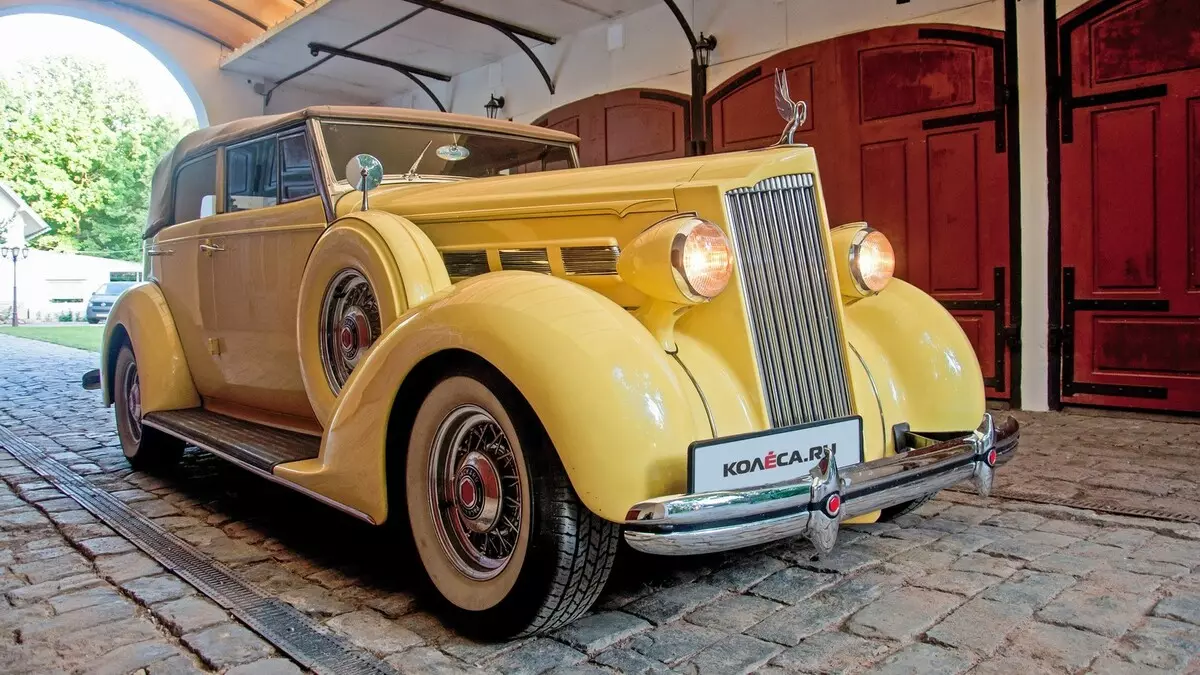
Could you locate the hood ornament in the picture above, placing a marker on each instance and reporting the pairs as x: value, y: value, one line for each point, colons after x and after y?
x: 794, y: 113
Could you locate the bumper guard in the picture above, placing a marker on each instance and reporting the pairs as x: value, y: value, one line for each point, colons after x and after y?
x: 814, y: 506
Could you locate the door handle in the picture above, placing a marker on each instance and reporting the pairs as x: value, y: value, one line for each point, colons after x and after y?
x: 159, y: 251
x: 209, y: 247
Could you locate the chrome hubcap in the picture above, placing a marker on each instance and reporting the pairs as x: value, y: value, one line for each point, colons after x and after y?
x: 475, y: 490
x: 350, y: 324
x: 133, y: 403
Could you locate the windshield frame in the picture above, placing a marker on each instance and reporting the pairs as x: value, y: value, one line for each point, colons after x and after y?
x: 338, y: 184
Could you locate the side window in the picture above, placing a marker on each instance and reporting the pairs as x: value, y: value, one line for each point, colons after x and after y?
x: 296, y: 179
x: 251, y: 176
x: 195, y: 184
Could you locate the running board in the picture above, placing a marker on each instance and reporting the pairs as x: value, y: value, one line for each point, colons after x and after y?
x: 254, y: 445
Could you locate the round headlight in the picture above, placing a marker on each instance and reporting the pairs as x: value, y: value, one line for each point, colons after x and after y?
x: 872, y: 260
x: 702, y: 259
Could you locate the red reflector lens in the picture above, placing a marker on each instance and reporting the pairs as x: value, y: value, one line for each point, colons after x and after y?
x: 991, y: 457
x: 833, y: 504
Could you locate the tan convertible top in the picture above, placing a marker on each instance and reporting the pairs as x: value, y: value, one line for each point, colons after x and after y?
x: 202, y: 140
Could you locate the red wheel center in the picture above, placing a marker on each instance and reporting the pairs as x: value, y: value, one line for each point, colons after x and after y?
x: 466, y: 492
x: 346, y: 337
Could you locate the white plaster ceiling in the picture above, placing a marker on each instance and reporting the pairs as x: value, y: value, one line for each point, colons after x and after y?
x: 427, y: 39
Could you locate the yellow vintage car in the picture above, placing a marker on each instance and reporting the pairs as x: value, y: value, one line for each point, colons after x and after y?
x: 521, y: 361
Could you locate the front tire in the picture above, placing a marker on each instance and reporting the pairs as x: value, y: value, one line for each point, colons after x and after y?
x: 502, y: 535
x: 143, y: 446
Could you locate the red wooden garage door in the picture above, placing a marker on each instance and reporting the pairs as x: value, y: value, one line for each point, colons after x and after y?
x: 908, y: 126
x: 1131, y: 204
x: 629, y: 125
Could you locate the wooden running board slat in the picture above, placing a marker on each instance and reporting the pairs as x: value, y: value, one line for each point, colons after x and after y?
x: 259, y: 446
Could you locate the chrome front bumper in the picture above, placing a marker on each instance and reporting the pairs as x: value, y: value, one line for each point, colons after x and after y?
x: 815, y: 505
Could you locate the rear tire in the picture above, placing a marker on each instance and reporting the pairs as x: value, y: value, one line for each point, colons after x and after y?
x: 893, y: 512
x: 480, y: 463
x: 143, y: 446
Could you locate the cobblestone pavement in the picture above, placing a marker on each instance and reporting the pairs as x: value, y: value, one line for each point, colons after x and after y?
x: 963, y: 585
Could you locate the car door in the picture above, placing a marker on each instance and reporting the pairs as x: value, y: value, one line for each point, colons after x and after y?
x: 175, y: 260
x: 252, y: 260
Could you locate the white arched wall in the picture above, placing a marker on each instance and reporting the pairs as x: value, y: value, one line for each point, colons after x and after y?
x: 194, y: 60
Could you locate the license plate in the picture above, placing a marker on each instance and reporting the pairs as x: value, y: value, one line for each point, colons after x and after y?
x: 775, y: 456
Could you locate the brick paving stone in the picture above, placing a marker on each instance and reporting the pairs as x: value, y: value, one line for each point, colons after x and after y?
x: 425, y: 661
x: 1121, y: 537
x: 970, y: 515
x: 791, y: 625
x: 793, y: 584
x: 734, y: 613
x: 1100, y: 606
x: 76, y: 620
x: 105, y: 545
x: 924, y: 659
x: 1065, y: 563
x: 1169, y: 550
x: 956, y: 581
x: 595, y: 632
x: 227, y: 645
x: 49, y: 569
x: 986, y: 564
x: 372, y: 631
x: 735, y: 655
x: 1184, y: 606
x: 190, y: 614
x: 536, y: 656
x: 26, y: 594
x: 628, y: 661
x: 1034, y: 589
x: 844, y: 559
x: 315, y: 600
x: 1008, y: 665
x: 979, y: 625
x: 393, y: 605
x: 960, y: 542
x: 129, y: 658
x: 674, y: 642
x: 1017, y: 520
x: 746, y: 572
x: 1056, y: 647
x: 902, y: 613
x: 671, y: 603
x: 151, y: 590
x: 1029, y: 545
x: 266, y: 667
x: 97, y: 595
x: 1163, y: 643
x: 831, y: 652
x: 127, y: 566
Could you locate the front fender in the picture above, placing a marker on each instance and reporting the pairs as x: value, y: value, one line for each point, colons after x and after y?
x: 142, y: 316
x: 920, y: 365
x: 619, y: 410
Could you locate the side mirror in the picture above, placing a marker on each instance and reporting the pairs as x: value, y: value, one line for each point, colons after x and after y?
x: 364, y: 172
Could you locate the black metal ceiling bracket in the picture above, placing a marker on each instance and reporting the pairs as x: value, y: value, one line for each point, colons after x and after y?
x: 701, y: 46
x: 510, y: 31
x: 411, y: 72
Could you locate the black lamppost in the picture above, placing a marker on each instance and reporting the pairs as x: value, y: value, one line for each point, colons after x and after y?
x: 14, y: 252
x: 494, y: 106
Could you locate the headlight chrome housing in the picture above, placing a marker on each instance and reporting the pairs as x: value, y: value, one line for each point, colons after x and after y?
x: 683, y: 260
x: 872, y: 260
x: 865, y: 259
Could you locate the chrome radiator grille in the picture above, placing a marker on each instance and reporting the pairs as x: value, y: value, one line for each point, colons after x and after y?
x: 782, y: 265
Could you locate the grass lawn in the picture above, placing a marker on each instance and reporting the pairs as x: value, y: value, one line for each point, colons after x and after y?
x: 80, y: 337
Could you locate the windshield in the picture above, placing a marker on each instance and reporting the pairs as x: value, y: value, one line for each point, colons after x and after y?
x: 113, y: 288
x: 456, y: 154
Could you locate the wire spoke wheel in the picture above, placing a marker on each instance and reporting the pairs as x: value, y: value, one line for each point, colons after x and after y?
x: 350, y: 324
x: 475, y: 490
x: 133, y: 402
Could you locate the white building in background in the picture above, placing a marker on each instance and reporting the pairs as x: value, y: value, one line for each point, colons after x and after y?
x: 50, y: 285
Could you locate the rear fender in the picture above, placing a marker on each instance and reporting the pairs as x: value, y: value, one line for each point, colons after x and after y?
x: 620, y: 411
x: 141, y: 316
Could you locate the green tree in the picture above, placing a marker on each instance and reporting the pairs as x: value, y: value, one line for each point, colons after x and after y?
x: 80, y: 146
